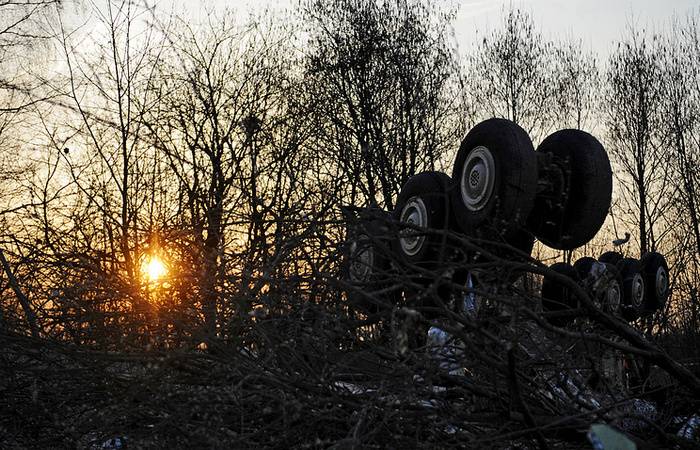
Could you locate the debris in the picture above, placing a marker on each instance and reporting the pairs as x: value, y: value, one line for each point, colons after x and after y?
x: 690, y: 428
x: 115, y: 443
x: 604, y: 437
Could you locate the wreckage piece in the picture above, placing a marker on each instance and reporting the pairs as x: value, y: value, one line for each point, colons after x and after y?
x: 557, y: 296
x: 633, y: 288
x: 584, y: 267
x: 610, y: 257
x: 575, y: 190
x: 423, y: 213
x: 657, y: 281
x: 611, y: 281
x: 646, y: 282
x: 367, y: 264
x: 495, y: 172
x: 603, y: 281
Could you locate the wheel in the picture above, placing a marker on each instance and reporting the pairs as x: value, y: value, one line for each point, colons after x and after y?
x: 495, y: 172
x: 610, y: 257
x: 367, y: 264
x: 583, y: 267
x: 606, y: 284
x: 633, y: 288
x: 556, y: 296
x: 572, y: 209
x: 612, y: 290
x: 423, y: 210
x: 521, y: 240
x: 657, y: 281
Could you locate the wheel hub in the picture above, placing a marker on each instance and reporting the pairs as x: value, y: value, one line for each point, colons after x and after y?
x: 661, y: 283
x: 637, y: 290
x: 415, y: 214
x: 362, y: 256
x: 613, y: 296
x: 478, y: 178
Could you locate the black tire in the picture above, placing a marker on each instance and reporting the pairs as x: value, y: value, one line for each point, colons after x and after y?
x: 569, y: 219
x: 367, y: 266
x: 424, y: 203
x: 613, y: 292
x: 657, y: 281
x: 583, y: 267
x: 610, y: 257
x: 633, y: 290
x: 522, y: 240
x: 556, y: 296
x: 495, y: 175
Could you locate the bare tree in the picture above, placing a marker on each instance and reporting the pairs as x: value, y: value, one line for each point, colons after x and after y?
x: 235, y: 148
x: 228, y: 150
x: 23, y: 36
x: 682, y: 113
x: 576, y: 85
x: 381, y: 77
x: 681, y: 117
x: 510, y: 75
x: 637, y: 136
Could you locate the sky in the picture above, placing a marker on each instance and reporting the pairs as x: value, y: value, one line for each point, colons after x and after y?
x: 598, y: 23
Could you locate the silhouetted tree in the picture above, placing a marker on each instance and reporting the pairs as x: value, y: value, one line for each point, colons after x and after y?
x: 381, y: 76
x: 510, y: 75
x: 637, y: 136
x: 576, y: 86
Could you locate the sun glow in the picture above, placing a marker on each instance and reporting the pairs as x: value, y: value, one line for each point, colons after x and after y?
x: 153, y: 268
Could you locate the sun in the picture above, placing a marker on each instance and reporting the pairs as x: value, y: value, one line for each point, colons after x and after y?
x: 153, y: 268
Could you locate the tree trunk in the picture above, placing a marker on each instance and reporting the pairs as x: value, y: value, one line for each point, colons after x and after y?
x: 23, y: 300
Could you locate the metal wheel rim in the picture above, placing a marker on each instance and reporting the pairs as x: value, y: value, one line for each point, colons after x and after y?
x: 613, y: 296
x: 415, y: 214
x: 661, y: 283
x: 478, y: 178
x: 637, y: 290
x: 362, y: 259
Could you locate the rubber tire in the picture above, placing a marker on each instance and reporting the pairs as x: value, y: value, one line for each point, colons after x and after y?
x: 375, y: 226
x: 433, y: 188
x: 521, y: 240
x: 651, y: 263
x: 583, y: 266
x: 556, y: 297
x: 515, y: 177
x: 616, y: 274
x: 589, y: 196
x: 628, y: 268
x: 610, y: 257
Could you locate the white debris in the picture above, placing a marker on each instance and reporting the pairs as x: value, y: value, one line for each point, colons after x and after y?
x: 352, y: 388
x: 604, y: 437
x: 116, y: 443
x: 690, y: 428
x: 445, y: 350
x: 639, y: 408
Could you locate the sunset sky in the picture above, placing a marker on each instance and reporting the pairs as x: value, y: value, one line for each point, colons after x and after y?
x: 599, y: 23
